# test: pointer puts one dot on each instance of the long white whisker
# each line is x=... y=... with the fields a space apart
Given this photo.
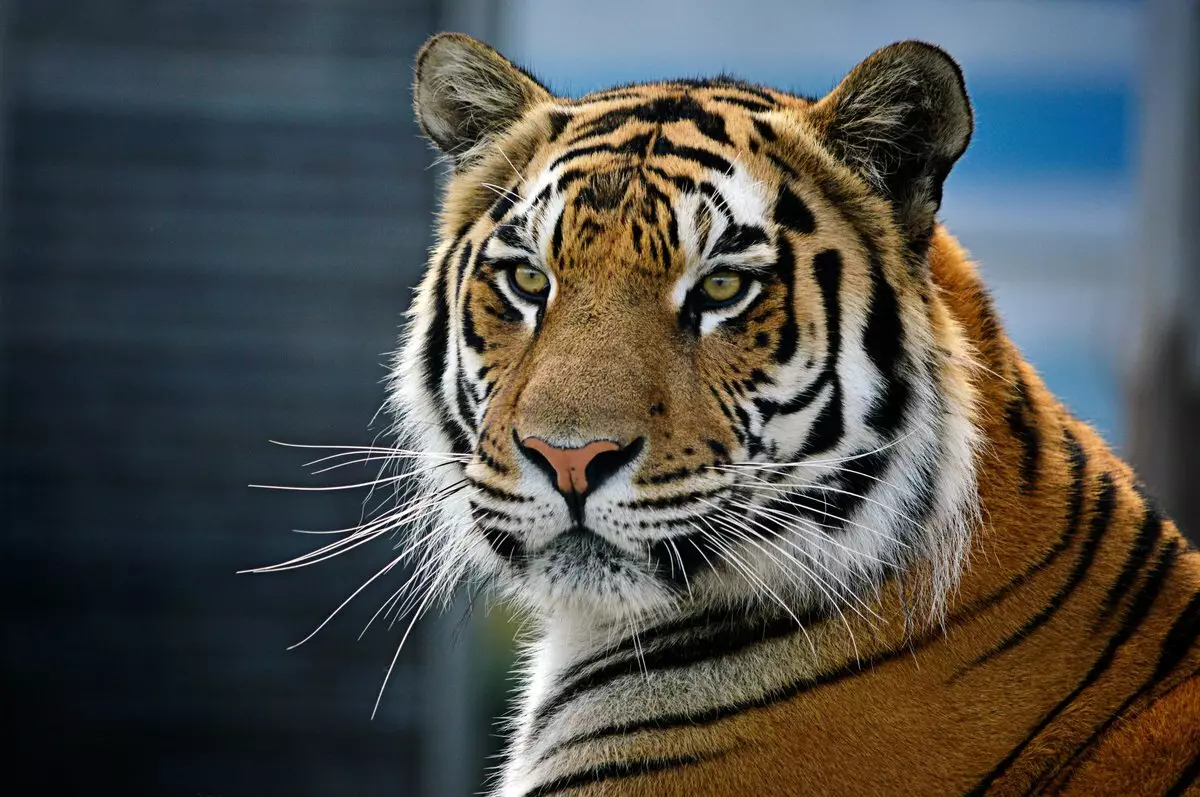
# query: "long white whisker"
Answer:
x=420 y=612
x=748 y=536
x=752 y=579
x=369 y=532
x=373 y=483
x=820 y=582
x=816 y=463
x=803 y=525
x=789 y=494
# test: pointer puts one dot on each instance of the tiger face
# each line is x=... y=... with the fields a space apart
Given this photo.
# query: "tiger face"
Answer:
x=677 y=344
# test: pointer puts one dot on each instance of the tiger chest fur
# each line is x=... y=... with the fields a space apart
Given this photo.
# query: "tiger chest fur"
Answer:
x=730 y=415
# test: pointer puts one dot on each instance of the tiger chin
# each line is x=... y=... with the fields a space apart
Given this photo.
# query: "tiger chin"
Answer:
x=726 y=409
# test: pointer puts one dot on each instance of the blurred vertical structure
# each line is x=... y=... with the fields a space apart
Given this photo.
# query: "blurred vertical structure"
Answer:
x=214 y=213
x=1164 y=385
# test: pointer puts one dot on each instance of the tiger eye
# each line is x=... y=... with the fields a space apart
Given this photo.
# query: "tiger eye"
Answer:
x=530 y=281
x=721 y=286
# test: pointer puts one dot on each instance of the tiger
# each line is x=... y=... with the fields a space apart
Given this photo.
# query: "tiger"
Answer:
x=716 y=401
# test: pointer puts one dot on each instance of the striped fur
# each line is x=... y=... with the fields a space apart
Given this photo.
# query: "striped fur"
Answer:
x=858 y=548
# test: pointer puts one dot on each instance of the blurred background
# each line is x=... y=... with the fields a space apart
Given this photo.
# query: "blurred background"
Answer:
x=213 y=212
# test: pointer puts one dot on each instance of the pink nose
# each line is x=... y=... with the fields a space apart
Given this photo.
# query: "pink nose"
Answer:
x=570 y=464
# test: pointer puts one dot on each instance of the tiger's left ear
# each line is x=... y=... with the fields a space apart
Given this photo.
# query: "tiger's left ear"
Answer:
x=900 y=119
x=466 y=95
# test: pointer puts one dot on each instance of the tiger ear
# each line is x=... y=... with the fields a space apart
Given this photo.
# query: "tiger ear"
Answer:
x=900 y=119
x=466 y=94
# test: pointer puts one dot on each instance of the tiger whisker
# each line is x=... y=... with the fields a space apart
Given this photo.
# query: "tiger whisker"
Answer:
x=362 y=449
x=500 y=190
x=841 y=586
x=749 y=536
x=682 y=568
x=386 y=459
x=790 y=494
x=791 y=488
x=420 y=612
x=811 y=533
x=368 y=532
x=336 y=487
x=753 y=580
x=834 y=469
x=821 y=462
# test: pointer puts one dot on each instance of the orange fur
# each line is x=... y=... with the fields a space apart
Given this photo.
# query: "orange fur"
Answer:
x=1066 y=659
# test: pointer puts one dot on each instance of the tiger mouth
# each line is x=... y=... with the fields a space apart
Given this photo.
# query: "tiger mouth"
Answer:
x=581 y=550
x=579 y=542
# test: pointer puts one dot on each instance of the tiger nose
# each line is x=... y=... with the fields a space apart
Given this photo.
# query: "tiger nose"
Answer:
x=578 y=471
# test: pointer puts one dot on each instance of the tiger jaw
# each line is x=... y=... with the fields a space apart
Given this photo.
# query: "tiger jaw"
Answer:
x=581 y=572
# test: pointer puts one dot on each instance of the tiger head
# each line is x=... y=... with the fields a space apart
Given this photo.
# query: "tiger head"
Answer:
x=678 y=344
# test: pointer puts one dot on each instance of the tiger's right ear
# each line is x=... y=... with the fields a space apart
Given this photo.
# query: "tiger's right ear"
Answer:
x=466 y=94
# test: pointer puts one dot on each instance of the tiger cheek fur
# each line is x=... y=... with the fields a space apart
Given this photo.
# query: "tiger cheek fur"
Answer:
x=725 y=409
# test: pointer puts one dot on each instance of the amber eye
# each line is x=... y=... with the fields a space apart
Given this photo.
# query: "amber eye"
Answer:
x=529 y=282
x=722 y=288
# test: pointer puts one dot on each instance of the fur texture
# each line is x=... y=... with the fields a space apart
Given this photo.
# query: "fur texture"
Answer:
x=854 y=546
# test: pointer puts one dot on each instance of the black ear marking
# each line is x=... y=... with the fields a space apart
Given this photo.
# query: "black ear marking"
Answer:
x=900 y=119
x=465 y=94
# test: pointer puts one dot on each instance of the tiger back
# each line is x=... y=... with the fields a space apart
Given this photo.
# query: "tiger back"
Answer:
x=731 y=416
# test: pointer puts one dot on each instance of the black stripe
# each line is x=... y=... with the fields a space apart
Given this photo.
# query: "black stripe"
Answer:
x=1105 y=505
x=827 y=267
x=737 y=238
x=633 y=146
x=503 y=204
x=722 y=641
x=802 y=399
x=718 y=202
x=1181 y=639
x=498 y=494
x=1023 y=425
x=883 y=339
x=783 y=693
x=1133 y=618
x=1065 y=768
x=1187 y=777
x=742 y=102
x=1077 y=461
x=1143 y=545
x=556 y=238
x=827 y=429
x=678 y=180
x=676 y=563
x=465 y=401
x=481 y=512
x=660 y=111
x=666 y=477
x=558 y=122
x=665 y=147
x=433 y=357
x=513 y=234
x=618 y=770
x=727 y=82
x=840 y=495
x=490 y=461
x=670 y=501
x=504 y=544
x=785 y=270
x=765 y=130
x=465 y=266
x=643 y=640
x=793 y=213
